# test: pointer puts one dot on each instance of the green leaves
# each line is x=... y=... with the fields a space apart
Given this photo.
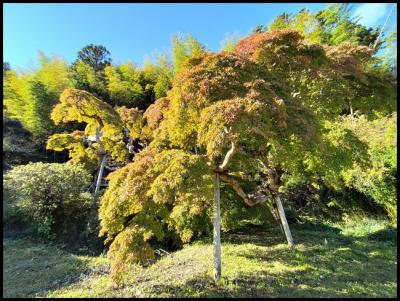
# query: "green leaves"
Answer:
x=182 y=48
x=52 y=196
x=30 y=97
x=378 y=179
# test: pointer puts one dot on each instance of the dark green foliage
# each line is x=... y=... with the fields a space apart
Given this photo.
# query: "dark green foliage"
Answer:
x=18 y=147
x=42 y=100
x=257 y=29
x=88 y=70
x=235 y=215
x=311 y=201
x=96 y=56
x=6 y=67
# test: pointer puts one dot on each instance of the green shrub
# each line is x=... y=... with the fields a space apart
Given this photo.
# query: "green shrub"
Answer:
x=51 y=197
x=10 y=211
x=379 y=180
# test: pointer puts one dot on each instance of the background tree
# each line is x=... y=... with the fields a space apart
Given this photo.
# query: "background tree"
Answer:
x=182 y=48
x=337 y=26
x=157 y=77
x=88 y=70
x=124 y=85
x=389 y=60
x=30 y=97
x=304 y=21
x=332 y=26
x=282 y=21
x=258 y=29
x=96 y=56
x=6 y=67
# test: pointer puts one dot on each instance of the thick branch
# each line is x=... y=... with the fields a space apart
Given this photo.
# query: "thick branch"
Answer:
x=99 y=121
x=249 y=199
x=228 y=158
x=273 y=178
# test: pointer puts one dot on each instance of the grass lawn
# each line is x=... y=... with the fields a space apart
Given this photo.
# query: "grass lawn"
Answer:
x=356 y=259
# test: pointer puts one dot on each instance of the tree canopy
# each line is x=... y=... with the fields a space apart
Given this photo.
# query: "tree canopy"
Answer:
x=81 y=106
x=261 y=117
x=96 y=56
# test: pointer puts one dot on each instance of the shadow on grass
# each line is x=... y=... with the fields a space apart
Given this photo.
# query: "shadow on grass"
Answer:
x=324 y=264
x=389 y=235
x=31 y=269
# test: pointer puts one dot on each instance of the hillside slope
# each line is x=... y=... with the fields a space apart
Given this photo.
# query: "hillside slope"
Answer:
x=329 y=261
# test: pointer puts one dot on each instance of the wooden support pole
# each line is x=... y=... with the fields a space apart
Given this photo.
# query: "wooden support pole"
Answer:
x=284 y=222
x=100 y=174
x=278 y=220
x=217 y=228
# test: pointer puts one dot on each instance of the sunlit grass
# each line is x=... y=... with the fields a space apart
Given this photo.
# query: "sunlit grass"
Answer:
x=335 y=260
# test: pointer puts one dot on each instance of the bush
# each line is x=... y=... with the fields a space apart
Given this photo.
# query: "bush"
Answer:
x=51 y=197
x=379 y=180
x=310 y=201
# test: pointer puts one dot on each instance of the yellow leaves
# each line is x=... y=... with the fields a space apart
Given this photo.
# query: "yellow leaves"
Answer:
x=81 y=106
x=128 y=247
x=74 y=143
x=132 y=120
x=147 y=235
x=186 y=235
x=59 y=142
x=132 y=209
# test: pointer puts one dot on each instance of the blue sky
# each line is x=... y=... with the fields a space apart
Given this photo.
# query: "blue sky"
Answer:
x=136 y=31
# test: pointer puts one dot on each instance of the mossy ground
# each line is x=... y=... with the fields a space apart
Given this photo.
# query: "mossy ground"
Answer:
x=355 y=259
